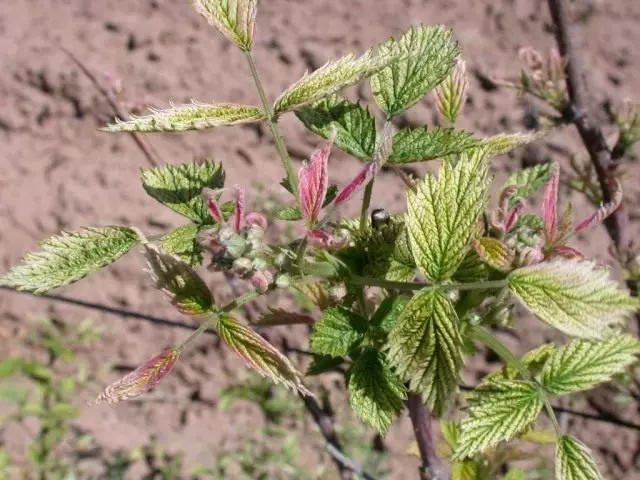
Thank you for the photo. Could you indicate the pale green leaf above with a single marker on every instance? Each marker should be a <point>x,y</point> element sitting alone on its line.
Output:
<point>575,296</point>
<point>425,56</point>
<point>494,252</point>
<point>505,142</point>
<point>515,474</point>
<point>183,242</point>
<point>234,18</point>
<point>179,282</point>
<point>259,354</point>
<point>179,187</point>
<point>193,116</point>
<point>332,77</point>
<point>442,214</point>
<point>68,257</point>
<point>464,470</point>
<point>498,411</point>
<point>451,94</point>
<point>289,214</point>
<point>337,331</point>
<point>574,461</point>
<point>422,144</point>
<point>582,364</point>
<point>529,181</point>
<point>472,269</point>
<point>353,125</point>
<point>387,314</point>
<point>375,392</point>
<point>424,347</point>
<point>534,360</point>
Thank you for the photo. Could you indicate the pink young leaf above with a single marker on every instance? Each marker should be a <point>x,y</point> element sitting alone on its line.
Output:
<point>141,380</point>
<point>550,207</point>
<point>367,173</point>
<point>604,211</point>
<point>567,252</point>
<point>257,219</point>
<point>505,196</point>
<point>530,255</point>
<point>209,197</point>
<point>513,216</point>
<point>238,214</point>
<point>313,181</point>
<point>323,239</point>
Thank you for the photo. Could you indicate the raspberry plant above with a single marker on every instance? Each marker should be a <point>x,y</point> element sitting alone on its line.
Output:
<point>446,272</point>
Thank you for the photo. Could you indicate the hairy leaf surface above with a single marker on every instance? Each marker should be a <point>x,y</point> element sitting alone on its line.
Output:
<point>260,354</point>
<point>337,331</point>
<point>375,392</point>
<point>574,461</point>
<point>529,181</point>
<point>69,256</point>
<point>422,144</point>
<point>234,18</point>
<point>575,296</point>
<point>498,411</point>
<point>442,214</point>
<point>425,56</point>
<point>179,187</point>
<point>424,347</point>
<point>582,364</point>
<point>354,126</point>
<point>193,116</point>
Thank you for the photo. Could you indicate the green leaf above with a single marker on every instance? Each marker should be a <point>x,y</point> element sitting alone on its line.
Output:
<point>472,269</point>
<point>505,142</point>
<point>529,180</point>
<point>192,116</point>
<point>494,252</point>
<point>337,331</point>
<point>68,257</point>
<point>179,187</point>
<point>422,144</point>
<point>332,77</point>
<point>515,474</point>
<point>354,126</point>
<point>465,470</point>
<point>289,214</point>
<point>575,296</point>
<point>424,347</point>
<point>574,461</point>
<point>234,18</point>
<point>425,55</point>
<point>260,354</point>
<point>183,243</point>
<point>179,282</point>
<point>323,364</point>
<point>375,392</point>
<point>388,312</point>
<point>582,364</point>
<point>534,360</point>
<point>442,214</point>
<point>498,411</point>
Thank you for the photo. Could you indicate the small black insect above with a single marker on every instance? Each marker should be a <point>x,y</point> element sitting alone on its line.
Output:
<point>379,218</point>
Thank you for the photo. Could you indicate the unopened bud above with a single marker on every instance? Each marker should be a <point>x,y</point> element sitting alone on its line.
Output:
<point>283,281</point>
<point>242,266</point>
<point>338,292</point>
<point>261,281</point>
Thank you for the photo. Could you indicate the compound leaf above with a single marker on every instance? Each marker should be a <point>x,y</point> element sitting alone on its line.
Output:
<point>260,354</point>
<point>192,116</point>
<point>575,296</point>
<point>354,126</point>
<point>179,187</point>
<point>498,411</point>
<point>69,256</point>
<point>574,461</point>
<point>424,347</point>
<point>337,331</point>
<point>422,144</point>
<point>425,56</point>
<point>582,364</point>
<point>375,392</point>
<point>442,214</point>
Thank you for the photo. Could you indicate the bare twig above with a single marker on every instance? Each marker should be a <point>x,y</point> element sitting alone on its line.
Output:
<point>144,147</point>
<point>432,467</point>
<point>577,111</point>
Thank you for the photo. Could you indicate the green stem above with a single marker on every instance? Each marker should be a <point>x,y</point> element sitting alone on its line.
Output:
<point>485,336</point>
<point>273,126</point>
<point>366,202</point>
<point>409,286</point>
